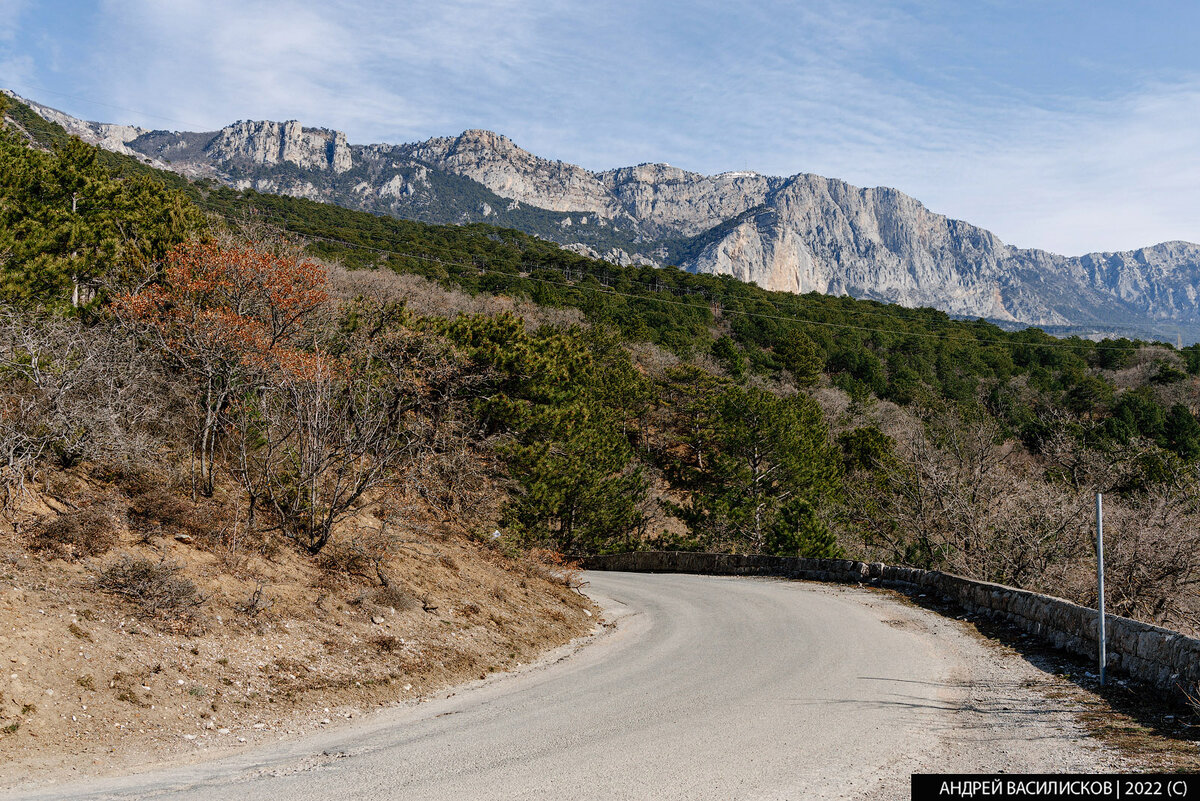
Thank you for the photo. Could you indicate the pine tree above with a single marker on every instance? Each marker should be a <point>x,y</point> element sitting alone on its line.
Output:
<point>801,357</point>
<point>70,229</point>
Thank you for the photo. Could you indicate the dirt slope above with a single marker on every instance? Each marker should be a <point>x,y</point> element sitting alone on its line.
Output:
<point>94,683</point>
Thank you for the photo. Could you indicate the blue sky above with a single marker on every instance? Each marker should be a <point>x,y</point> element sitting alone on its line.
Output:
<point>1068,126</point>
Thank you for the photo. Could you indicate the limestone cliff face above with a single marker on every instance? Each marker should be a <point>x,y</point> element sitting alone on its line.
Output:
<point>657,197</point>
<point>494,161</point>
<point>802,233</point>
<point>822,235</point>
<point>675,202</point>
<point>271,143</point>
<point>807,233</point>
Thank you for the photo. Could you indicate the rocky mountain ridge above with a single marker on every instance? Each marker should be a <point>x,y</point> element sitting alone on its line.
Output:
<point>802,233</point>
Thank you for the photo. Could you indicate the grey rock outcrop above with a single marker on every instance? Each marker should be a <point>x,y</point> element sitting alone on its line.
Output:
<point>660,198</point>
<point>272,143</point>
<point>807,233</point>
<point>494,161</point>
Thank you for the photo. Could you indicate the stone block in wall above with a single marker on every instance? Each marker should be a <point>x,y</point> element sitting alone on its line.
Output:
<point>1121,639</point>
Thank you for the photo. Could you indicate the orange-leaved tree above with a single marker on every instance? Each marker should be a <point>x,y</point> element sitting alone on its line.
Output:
<point>233,318</point>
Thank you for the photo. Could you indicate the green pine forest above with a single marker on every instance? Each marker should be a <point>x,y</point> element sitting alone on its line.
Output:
<point>604,408</point>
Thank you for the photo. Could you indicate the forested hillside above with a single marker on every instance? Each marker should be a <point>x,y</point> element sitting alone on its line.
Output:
<point>329,354</point>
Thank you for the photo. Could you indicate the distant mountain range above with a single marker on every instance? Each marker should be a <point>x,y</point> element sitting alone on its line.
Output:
<point>801,233</point>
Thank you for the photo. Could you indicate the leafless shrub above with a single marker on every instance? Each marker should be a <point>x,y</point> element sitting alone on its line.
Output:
<point>71,392</point>
<point>555,567</point>
<point>233,543</point>
<point>156,587</point>
<point>1152,557</point>
<point>90,531</point>
<point>311,443</point>
<point>1191,695</point>
<point>363,552</point>
<point>255,604</point>
<point>343,559</point>
<point>250,225</point>
<point>387,644</point>
<point>395,597</point>
<point>430,299</point>
<point>170,511</point>
<point>958,496</point>
<point>130,475</point>
<point>160,507</point>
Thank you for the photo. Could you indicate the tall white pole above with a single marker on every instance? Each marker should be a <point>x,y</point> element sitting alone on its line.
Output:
<point>1100,580</point>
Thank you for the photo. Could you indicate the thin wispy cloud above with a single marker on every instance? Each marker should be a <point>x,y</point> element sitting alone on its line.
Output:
<point>12,62</point>
<point>1024,118</point>
<point>10,13</point>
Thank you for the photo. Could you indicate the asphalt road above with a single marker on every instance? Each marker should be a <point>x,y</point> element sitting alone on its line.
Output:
<point>706,688</point>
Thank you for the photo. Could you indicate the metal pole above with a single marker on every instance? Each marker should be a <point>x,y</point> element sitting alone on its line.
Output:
<point>1100,579</point>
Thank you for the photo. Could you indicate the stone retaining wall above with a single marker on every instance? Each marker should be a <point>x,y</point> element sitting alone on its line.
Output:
<point>1160,656</point>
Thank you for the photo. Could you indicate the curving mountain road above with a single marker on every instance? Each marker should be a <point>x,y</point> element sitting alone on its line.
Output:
<point>706,688</point>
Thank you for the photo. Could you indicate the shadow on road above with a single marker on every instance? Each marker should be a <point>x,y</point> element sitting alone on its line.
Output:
<point>1148,724</point>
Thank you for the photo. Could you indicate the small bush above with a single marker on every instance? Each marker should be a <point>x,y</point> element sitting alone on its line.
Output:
<point>364,554</point>
<point>1192,696</point>
<point>339,561</point>
<point>130,477</point>
<point>255,604</point>
<point>386,644</point>
<point>158,506</point>
<point>87,532</point>
<point>396,597</point>
<point>555,567</point>
<point>156,587</point>
<point>163,508</point>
